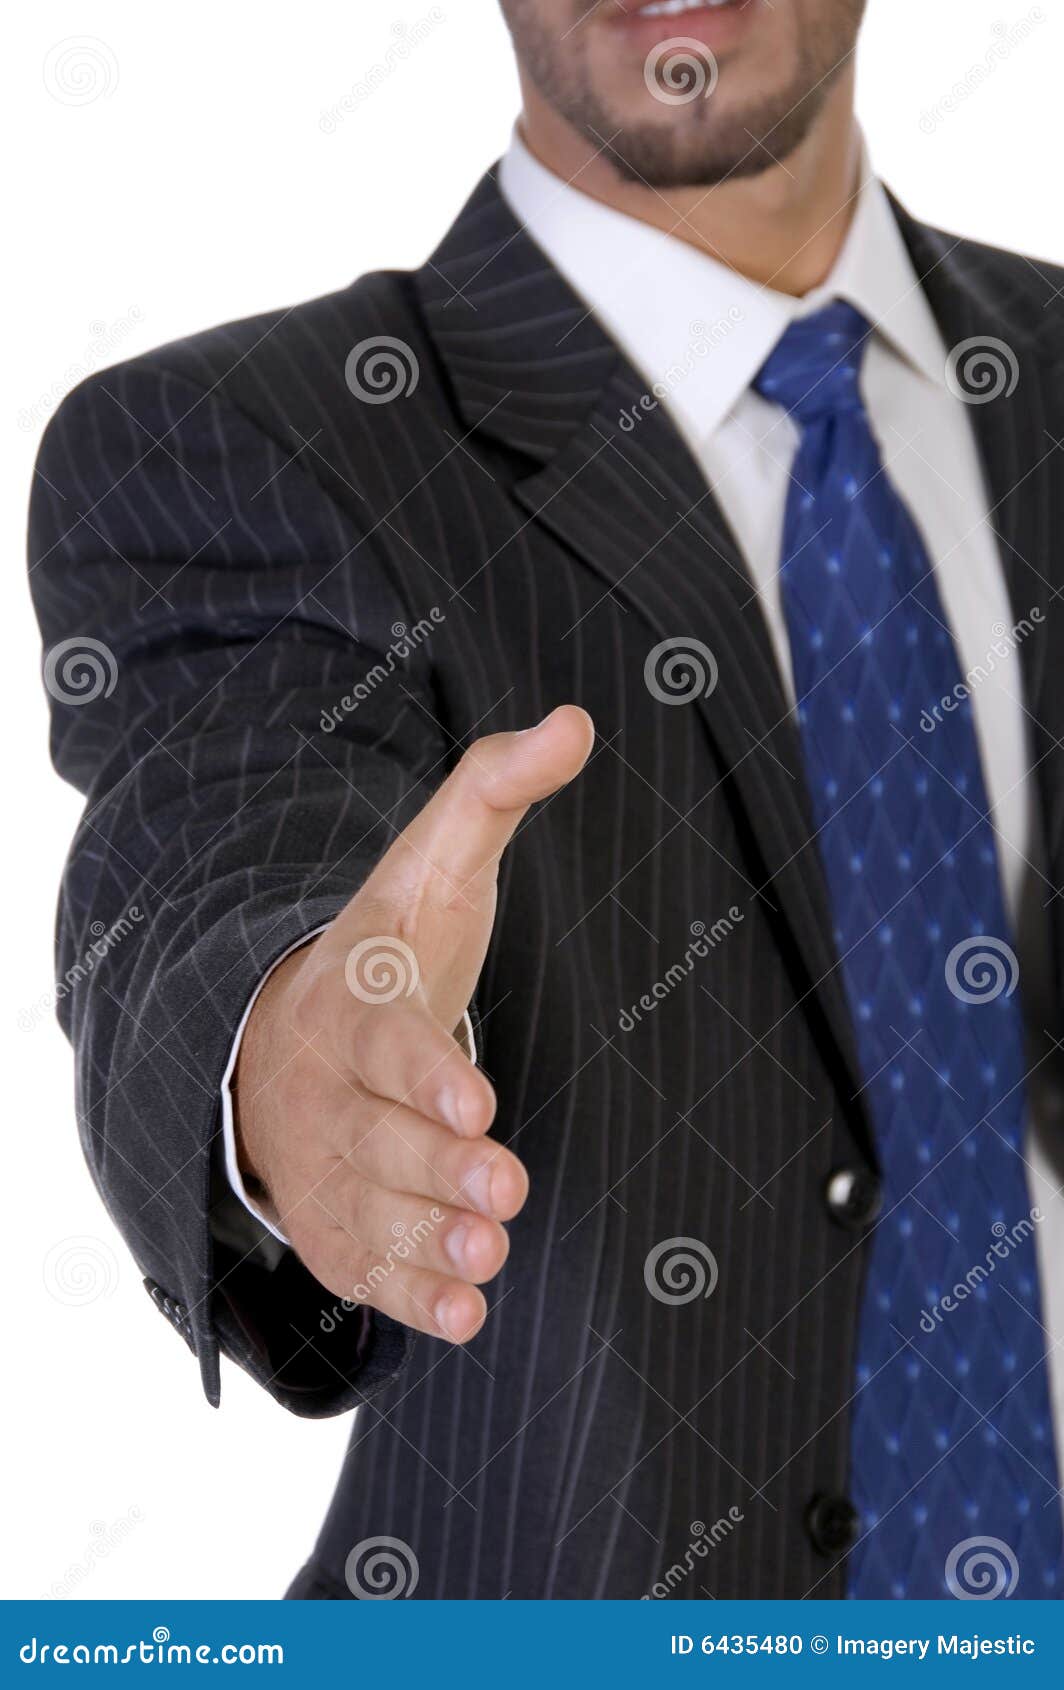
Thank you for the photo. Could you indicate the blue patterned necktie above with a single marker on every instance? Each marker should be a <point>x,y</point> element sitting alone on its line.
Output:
<point>953,1471</point>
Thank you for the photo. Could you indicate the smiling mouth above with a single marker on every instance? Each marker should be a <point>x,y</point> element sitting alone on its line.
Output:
<point>717,23</point>
<point>674,8</point>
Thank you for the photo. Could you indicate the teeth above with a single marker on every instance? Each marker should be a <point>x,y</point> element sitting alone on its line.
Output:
<point>673,8</point>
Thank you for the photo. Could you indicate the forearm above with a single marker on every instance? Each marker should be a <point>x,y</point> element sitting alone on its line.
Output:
<point>216,808</point>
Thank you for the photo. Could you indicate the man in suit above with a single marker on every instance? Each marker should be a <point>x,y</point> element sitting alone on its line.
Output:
<point>735,1277</point>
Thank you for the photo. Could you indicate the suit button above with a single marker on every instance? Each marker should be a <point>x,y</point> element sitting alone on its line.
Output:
<point>831,1522</point>
<point>853,1197</point>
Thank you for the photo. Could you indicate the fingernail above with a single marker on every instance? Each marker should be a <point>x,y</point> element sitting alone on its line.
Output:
<point>442,1311</point>
<point>538,725</point>
<point>448,1107</point>
<point>480,1189</point>
<point>456,1243</point>
<point>461,1108</point>
<point>502,1190</point>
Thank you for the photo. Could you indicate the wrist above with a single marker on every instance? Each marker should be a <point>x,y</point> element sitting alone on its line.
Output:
<point>259,1053</point>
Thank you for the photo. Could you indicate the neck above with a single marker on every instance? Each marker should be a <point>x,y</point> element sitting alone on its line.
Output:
<point>782,228</point>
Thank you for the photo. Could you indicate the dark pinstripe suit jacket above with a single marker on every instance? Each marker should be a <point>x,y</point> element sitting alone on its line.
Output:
<point>244,535</point>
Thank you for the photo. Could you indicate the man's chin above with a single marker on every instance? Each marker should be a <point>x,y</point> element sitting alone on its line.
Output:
<point>705,154</point>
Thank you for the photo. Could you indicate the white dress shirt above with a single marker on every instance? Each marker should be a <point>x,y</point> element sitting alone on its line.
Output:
<point>698,332</point>
<point>661,299</point>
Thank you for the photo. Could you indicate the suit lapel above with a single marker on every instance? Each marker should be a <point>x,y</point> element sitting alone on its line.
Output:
<point>533,369</point>
<point>1014,432</point>
<point>1017,434</point>
<point>636,508</point>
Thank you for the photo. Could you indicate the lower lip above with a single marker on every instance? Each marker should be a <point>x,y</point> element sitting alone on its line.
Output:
<point>716,27</point>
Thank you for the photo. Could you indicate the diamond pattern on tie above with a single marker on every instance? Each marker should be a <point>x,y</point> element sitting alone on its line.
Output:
<point>951,1433</point>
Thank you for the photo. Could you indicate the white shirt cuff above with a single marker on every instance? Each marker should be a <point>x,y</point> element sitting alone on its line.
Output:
<point>232,1166</point>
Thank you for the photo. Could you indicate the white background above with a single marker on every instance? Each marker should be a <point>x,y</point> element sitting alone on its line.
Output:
<point>199,184</point>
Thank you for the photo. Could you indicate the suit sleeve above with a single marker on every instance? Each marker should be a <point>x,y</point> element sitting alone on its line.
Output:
<point>220,653</point>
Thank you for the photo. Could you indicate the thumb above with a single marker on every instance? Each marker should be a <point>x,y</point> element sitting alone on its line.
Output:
<point>463,830</point>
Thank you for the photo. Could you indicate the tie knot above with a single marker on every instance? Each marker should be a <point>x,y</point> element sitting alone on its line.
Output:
<point>814,367</point>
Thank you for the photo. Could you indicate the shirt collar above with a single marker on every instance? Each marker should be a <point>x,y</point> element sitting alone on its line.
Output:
<point>874,272</point>
<point>697,330</point>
